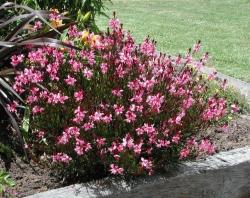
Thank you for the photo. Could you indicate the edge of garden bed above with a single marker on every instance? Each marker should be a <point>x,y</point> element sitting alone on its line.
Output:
<point>234,163</point>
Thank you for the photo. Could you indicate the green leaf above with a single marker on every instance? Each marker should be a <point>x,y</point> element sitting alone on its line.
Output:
<point>64,35</point>
<point>10,182</point>
<point>5,180</point>
<point>26,123</point>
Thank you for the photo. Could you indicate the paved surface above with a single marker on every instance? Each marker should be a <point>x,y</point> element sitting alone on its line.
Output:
<point>224,175</point>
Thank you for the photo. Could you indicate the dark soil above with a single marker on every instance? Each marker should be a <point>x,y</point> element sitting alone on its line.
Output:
<point>32,178</point>
<point>236,136</point>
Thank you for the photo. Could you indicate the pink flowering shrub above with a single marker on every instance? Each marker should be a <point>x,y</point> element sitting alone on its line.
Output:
<point>117,107</point>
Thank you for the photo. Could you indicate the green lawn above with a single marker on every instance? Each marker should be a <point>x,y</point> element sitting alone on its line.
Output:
<point>222,25</point>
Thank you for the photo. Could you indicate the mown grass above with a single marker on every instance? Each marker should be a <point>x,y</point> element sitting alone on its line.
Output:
<point>222,25</point>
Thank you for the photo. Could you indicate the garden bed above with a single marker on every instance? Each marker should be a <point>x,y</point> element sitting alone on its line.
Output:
<point>32,178</point>
<point>99,105</point>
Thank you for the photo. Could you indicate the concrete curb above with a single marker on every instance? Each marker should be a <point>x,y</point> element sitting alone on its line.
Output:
<point>226,174</point>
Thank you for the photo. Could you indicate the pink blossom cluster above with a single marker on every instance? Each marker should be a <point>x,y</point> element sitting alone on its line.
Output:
<point>216,109</point>
<point>192,147</point>
<point>124,106</point>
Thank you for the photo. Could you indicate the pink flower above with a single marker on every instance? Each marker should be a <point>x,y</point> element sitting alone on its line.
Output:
<point>37,26</point>
<point>54,15</point>
<point>79,115</point>
<point>146,164</point>
<point>207,147</point>
<point>215,110</point>
<point>120,71</point>
<point>178,119</point>
<point>100,142</point>
<point>116,148</point>
<point>91,58</point>
<point>188,58</point>
<point>117,92</point>
<point>130,116</point>
<point>119,109</point>
<point>178,60</point>
<point>16,59</point>
<point>89,125</point>
<point>234,108</point>
<point>73,31</point>
<point>31,99</point>
<point>205,57</point>
<point>137,148</point>
<point>67,134</point>
<point>70,80</point>
<point>115,170</point>
<point>12,107</point>
<point>82,146</point>
<point>162,143</point>
<point>114,24</point>
<point>107,118</point>
<point>61,157</point>
<point>137,97</point>
<point>75,65</point>
<point>147,129</point>
<point>97,116</point>
<point>191,142</point>
<point>36,109</point>
<point>187,103</point>
<point>155,102</point>
<point>148,47</point>
<point>79,95</point>
<point>40,134</point>
<point>88,73</point>
<point>197,46</point>
<point>176,138</point>
<point>184,153</point>
<point>52,69</point>
<point>57,98</point>
<point>38,56</point>
<point>212,75</point>
<point>127,141</point>
<point>104,68</point>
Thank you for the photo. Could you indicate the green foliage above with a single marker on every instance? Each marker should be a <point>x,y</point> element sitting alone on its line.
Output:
<point>26,123</point>
<point>84,11</point>
<point>5,181</point>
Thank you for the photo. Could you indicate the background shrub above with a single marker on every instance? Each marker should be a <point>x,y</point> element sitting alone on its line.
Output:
<point>83,11</point>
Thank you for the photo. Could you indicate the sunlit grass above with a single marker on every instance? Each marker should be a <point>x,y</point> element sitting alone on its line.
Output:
<point>222,25</point>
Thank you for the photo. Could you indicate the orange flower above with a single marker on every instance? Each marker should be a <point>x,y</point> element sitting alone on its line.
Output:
<point>85,36</point>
